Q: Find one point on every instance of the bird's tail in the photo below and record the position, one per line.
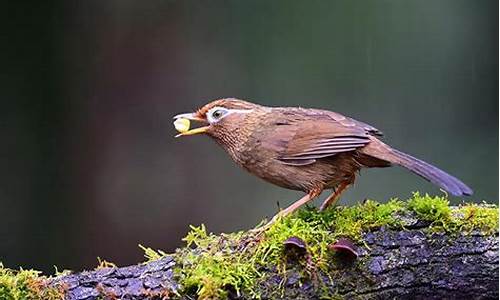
(429, 172)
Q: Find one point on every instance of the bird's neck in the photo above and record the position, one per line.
(233, 142)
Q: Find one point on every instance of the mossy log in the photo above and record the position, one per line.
(411, 261)
(400, 265)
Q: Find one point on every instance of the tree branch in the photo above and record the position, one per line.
(393, 263)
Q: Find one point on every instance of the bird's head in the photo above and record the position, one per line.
(221, 117)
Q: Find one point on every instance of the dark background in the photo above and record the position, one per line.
(88, 163)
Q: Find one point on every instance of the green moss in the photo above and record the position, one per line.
(104, 264)
(352, 221)
(151, 254)
(474, 217)
(434, 209)
(26, 284)
(214, 265)
(465, 218)
(210, 273)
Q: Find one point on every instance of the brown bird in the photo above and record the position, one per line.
(308, 150)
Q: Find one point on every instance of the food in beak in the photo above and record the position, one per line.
(182, 125)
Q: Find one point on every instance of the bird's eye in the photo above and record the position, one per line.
(218, 114)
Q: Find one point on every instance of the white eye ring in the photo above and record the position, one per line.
(217, 113)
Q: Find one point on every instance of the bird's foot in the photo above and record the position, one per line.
(259, 230)
(287, 211)
(332, 199)
(324, 206)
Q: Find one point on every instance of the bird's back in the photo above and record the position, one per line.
(281, 130)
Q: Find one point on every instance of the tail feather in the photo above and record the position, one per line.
(382, 151)
(432, 174)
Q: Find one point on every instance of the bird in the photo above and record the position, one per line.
(304, 149)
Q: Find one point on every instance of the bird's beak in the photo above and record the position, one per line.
(192, 117)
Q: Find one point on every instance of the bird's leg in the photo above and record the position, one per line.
(334, 196)
(290, 209)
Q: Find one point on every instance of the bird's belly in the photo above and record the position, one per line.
(284, 177)
(323, 174)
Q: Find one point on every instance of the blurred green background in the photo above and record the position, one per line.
(89, 165)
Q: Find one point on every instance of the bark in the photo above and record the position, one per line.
(393, 264)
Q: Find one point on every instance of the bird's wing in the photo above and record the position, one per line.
(301, 141)
(346, 121)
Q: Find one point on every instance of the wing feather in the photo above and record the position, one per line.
(314, 140)
(302, 136)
